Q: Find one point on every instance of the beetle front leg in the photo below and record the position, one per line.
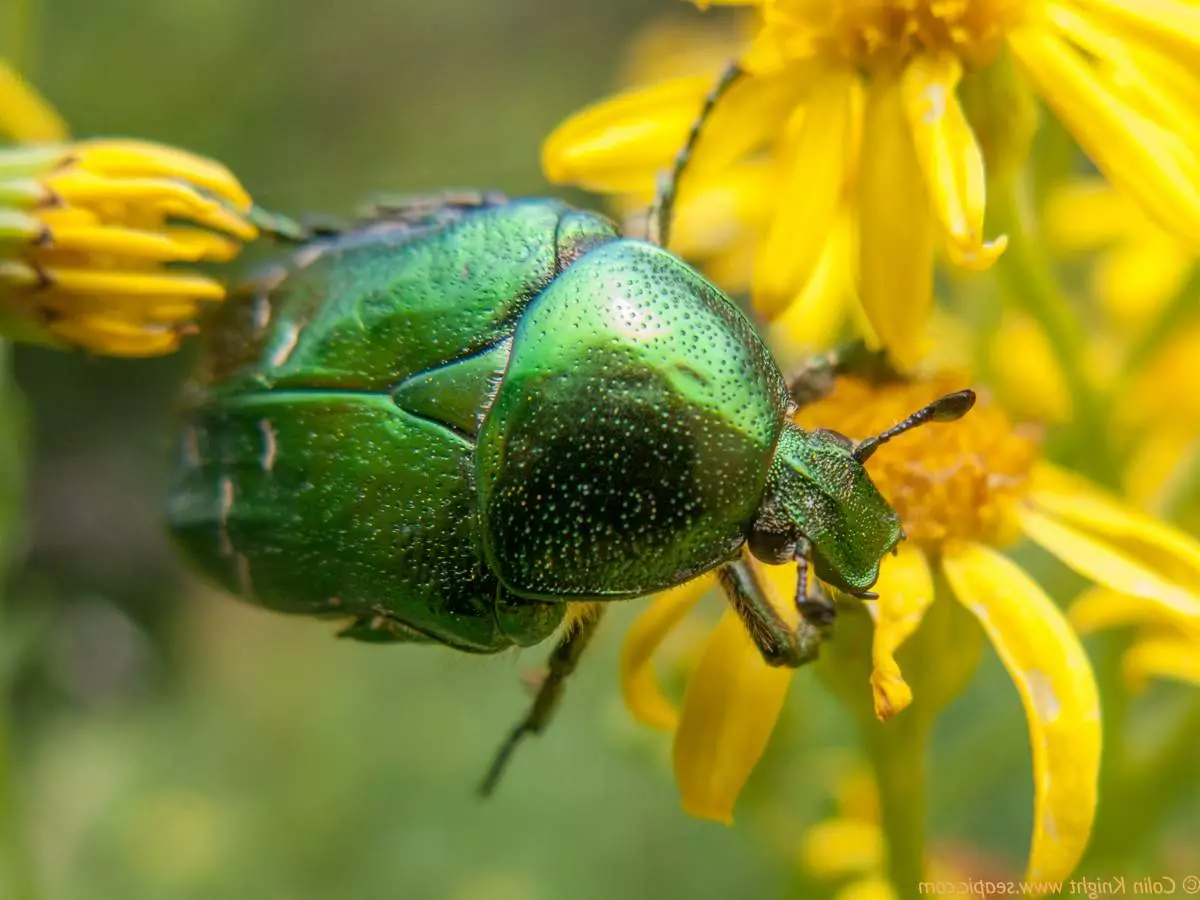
(816, 376)
(811, 600)
(561, 664)
(777, 641)
(659, 222)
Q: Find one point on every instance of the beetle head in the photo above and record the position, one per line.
(820, 504)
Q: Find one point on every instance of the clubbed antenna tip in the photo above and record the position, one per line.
(949, 408)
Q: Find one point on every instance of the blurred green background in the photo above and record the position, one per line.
(174, 743)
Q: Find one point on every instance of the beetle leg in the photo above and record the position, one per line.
(815, 606)
(777, 641)
(659, 223)
(562, 663)
(816, 376)
(429, 209)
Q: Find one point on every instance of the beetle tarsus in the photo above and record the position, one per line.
(561, 664)
(816, 376)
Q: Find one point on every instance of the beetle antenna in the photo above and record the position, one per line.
(949, 408)
(562, 663)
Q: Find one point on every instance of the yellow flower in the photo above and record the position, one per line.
(962, 492)
(87, 228)
(850, 846)
(1141, 294)
(1142, 266)
(1167, 642)
(852, 110)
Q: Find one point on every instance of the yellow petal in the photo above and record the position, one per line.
(186, 245)
(1101, 608)
(116, 337)
(1102, 539)
(145, 159)
(639, 685)
(1161, 396)
(1160, 463)
(950, 159)
(730, 708)
(895, 227)
(874, 888)
(1087, 214)
(200, 244)
(905, 589)
(1136, 154)
(674, 46)
(1137, 279)
(1172, 656)
(856, 793)
(1148, 82)
(1026, 373)
(748, 117)
(24, 114)
(160, 197)
(722, 210)
(136, 286)
(837, 848)
(1171, 27)
(1052, 674)
(808, 193)
(622, 143)
(814, 320)
(67, 217)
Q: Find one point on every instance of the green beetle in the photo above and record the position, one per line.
(449, 423)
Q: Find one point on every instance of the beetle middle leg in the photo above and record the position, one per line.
(561, 664)
(659, 223)
(816, 376)
(777, 641)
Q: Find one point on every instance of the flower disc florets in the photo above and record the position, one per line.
(874, 33)
(947, 482)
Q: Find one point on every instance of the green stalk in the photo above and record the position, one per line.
(937, 662)
(898, 750)
(16, 879)
(1030, 283)
(16, 876)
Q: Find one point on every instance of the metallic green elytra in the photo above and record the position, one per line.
(447, 424)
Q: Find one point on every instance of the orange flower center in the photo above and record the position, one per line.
(947, 481)
(873, 33)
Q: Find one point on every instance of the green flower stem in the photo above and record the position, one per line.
(898, 749)
(16, 876)
(16, 879)
(1030, 283)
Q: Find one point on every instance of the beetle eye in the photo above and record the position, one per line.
(773, 547)
(834, 437)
